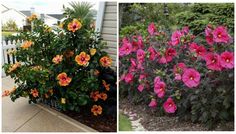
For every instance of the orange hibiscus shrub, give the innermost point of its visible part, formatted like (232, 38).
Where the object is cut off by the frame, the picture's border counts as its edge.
(65, 65)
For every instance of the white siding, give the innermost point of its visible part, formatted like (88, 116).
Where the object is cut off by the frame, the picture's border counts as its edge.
(50, 21)
(14, 15)
(109, 30)
(3, 8)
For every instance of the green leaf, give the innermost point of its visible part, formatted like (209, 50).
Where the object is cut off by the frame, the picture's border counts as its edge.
(83, 100)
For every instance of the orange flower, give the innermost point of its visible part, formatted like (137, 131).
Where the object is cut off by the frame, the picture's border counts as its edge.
(13, 67)
(34, 92)
(107, 86)
(6, 93)
(32, 17)
(63, 100)
(96, 72)
(95, 95)
(106, 61)
(103, 96)
(82, 59)
(74, 25)
(26, 44)
(96, 110)
(92, 51)
(57, 59)
(63, 79)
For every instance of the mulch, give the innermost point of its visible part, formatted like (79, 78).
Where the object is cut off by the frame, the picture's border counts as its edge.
(152, 122)
(103, 123)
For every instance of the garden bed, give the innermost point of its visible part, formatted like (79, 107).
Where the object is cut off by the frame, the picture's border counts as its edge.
(104, 123)
(152, 122)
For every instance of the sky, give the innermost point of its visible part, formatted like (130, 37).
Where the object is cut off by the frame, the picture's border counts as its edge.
(42, 6)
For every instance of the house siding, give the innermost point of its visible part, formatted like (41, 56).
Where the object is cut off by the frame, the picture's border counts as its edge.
(109, 30)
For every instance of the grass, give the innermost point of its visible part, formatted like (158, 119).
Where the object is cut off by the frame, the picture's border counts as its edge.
(124, 123)
(5, 34)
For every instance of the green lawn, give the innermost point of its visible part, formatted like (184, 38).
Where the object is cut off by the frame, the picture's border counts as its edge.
(124, 123)
(4, 33)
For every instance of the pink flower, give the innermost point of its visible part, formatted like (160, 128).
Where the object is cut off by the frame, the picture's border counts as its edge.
(140, 87)
(178, 77)
(152, 52)
(201, 51)
(169, 54)
(159, 87)
(142, 76)
(208, 30)
(151, 29)
(153, 103)
(227, 59)
(137, 43)
(191, 77)
(169, 106)
(133, 66)
(175, 38)
(193, 47)
(179, 68)
(213, 61)
(132, 69)
(185, 30)
(140, 55)
(209, 36)
(140, 66)
(126, 48)
(140, 42)
(129, 78)
(133, 62)
(220, 35)
(162, 60)
(209, 40)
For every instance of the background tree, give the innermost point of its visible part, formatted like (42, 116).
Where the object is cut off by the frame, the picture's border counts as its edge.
(81, 10)
(10, 25)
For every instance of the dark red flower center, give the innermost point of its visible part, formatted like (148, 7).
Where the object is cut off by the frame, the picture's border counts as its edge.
(227, 60)
(74, 26)
(219, 35)
(82, 59)
(213, 60)
(63, 78)
(191, 78)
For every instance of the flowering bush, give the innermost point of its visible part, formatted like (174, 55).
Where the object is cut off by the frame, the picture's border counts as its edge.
(66, 65)
(179, 73)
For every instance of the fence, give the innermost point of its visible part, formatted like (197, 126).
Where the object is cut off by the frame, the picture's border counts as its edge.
(8, 46)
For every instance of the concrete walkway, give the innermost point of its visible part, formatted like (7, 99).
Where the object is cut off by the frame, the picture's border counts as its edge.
(20, 116)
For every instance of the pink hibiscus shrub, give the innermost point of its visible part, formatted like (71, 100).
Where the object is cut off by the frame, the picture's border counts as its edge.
(178, 73)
